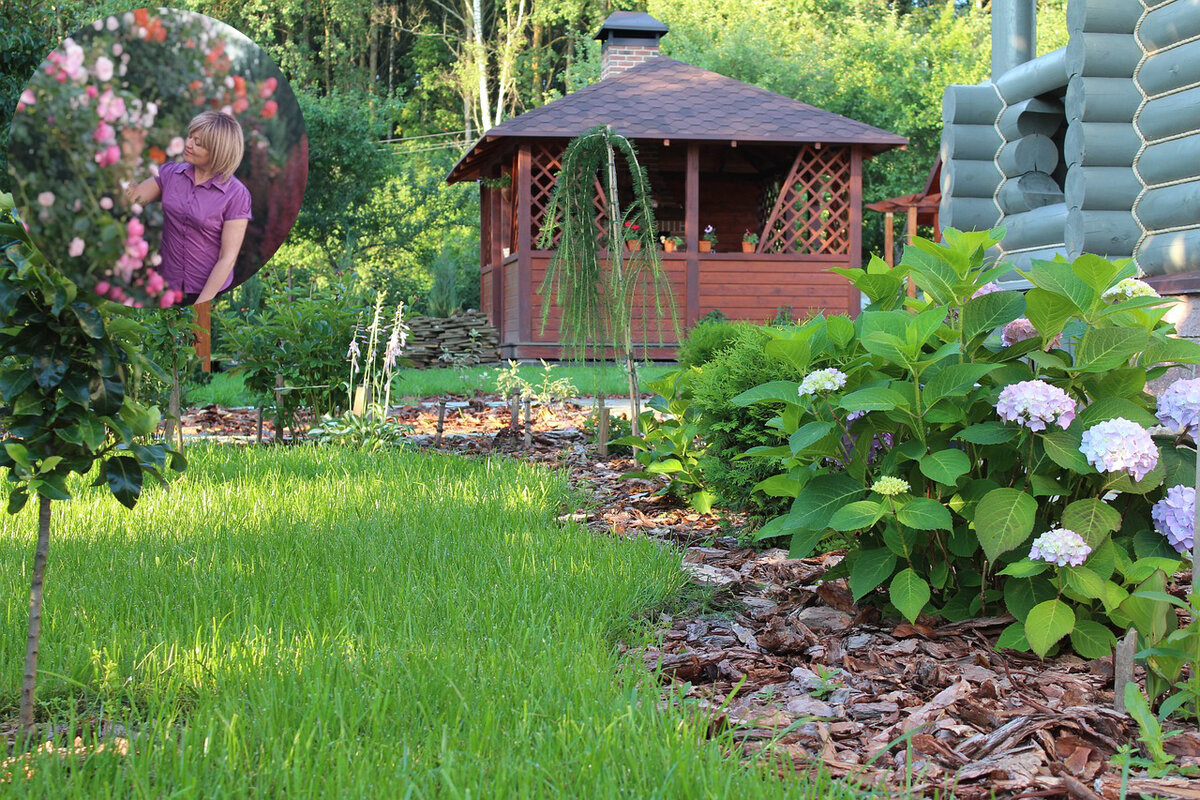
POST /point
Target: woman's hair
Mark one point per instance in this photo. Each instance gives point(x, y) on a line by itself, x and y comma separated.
point(222, 135)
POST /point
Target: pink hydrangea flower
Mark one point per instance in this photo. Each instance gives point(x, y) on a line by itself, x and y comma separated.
point(988, 288)
point(1120, 445)
point(1036, 405)
point(1060, 546)
point(1021, 329)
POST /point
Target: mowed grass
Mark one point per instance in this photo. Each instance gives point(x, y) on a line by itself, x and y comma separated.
point(323, 623)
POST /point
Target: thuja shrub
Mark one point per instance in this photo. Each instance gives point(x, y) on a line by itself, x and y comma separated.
point(706, 340)
point(991, 450)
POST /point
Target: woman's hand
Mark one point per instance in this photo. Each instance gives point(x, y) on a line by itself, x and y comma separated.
point(145, 192)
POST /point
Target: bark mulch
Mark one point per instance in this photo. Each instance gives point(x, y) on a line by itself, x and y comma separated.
point(787, 664)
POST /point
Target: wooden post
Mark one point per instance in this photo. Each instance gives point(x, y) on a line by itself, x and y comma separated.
point(528, 423)
point(496, 255)
point(853, 296)
point(602, 427)
point(910, 233)
point(1123, 668)
point(525, 286)
point(204, 335)
point(889, 238)
point(437, 441)
point(691, 232)
point(278, 409)
point(259, 427)
point(174, 410)
point(514, 418)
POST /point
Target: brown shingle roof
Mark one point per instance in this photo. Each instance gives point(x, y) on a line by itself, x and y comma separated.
point(666, 99)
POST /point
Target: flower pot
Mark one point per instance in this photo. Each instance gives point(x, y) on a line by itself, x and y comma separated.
point(633, 244)
point(749, 247)
point(668, 247)
point(705, 246)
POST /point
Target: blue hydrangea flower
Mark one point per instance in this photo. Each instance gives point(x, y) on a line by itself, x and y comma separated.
point(1060, 546)
point(1179, 407)
point(1120, 445)
point(823, 380)
point(1175, 517)
point(1036, 405)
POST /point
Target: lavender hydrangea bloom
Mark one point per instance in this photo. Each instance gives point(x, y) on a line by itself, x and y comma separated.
point(823, 380)
point(1175, 517)
point(1021, 329)
point(987, 288)
point(1179, 407)
point(1036, 404)
point(1120, 445)
point(1060, 546)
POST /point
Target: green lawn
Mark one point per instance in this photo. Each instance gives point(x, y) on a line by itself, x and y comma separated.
point(300, 623)
point(227, 388)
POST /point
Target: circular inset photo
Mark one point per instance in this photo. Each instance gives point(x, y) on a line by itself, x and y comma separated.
point(158, 157)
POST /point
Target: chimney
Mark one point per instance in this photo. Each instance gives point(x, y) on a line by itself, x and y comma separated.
point(629, 38)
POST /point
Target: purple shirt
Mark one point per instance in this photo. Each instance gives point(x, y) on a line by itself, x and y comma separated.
point(193, 216)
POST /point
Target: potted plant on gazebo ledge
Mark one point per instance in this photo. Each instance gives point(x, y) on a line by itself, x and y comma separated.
point(709, 240)
point(672, 243)
point(749, 241)
point(631, 236)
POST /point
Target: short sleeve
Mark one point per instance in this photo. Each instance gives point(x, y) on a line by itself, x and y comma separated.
point(168, 170)
point(239, 205)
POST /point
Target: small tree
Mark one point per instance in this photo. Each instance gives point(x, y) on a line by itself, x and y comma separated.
point(65, 358)
point(599, 299)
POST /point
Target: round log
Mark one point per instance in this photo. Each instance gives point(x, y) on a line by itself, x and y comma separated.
point(1041, 227)
point(1043, 75)
point(968, 213)
point(1170, 206)
point(1173, 160)
point(1171, 115)
point(1102, 99)
point(1102, 16)
point(1112, 234)
point(1027, 192)
point(1102, 188)
point(1103, 55)
point(970, 178)
point(1028, 154)
point(1170, 253)
point(1174, 69)
point(1029, 117)
point(970, 105)
point(1100, 144)
point(970, 142)
point(1024, 260)
point(1169, 24)
point(1014, 34)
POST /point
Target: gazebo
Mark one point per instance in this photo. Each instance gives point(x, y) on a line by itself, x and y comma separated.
point(718, 152)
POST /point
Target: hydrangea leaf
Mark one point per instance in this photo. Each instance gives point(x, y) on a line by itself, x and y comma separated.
point(909, 593)
point(1003, 520)
point(1047, 623)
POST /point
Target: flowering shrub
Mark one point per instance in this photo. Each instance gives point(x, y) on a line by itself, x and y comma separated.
point(112, 104)
point(942, 432)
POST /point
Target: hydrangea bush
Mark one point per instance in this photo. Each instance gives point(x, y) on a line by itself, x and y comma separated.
point(112, 104)
point(990, 450)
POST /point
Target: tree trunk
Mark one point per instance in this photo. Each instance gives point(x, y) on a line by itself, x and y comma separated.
point(616, 248)
point(29, 684)
point(479, 46)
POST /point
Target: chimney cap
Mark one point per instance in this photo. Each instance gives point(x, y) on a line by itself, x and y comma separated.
point(631, 23)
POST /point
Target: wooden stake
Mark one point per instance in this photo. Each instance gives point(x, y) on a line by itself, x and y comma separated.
point(1123, 668)
point(437, 441)
point(602, 431)
point(514, 414)
point(528, 423)
point(258, 433)
point(278, 409)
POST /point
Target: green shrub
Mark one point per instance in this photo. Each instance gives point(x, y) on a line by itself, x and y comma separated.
point(707, 339)
point(980, 473)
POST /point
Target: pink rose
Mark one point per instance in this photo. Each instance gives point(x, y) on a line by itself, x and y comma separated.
point(103, 133)
point(240, 105)
point(102, 288)
point(267, 88)
point(269, 109)
point(167, 300)
point(154, 283)
point(76, 248)
point(135, 227)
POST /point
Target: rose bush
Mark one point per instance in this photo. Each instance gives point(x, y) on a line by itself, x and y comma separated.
point(107, 108)
point(990, 450)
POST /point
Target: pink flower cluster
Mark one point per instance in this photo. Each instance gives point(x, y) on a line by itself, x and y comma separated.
point(127, 267)
point(68, 64)
point(1120, 445)
point(1036, 405)
point(1175, 517)
point(1060, 546)
point(1021, 329)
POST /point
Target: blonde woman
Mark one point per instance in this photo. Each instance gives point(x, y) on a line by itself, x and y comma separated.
point(205, 209)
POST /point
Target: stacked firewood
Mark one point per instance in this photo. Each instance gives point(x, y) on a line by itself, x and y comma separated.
point(463, 339)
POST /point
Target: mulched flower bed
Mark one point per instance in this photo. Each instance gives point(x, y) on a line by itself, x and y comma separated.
point(785, 662)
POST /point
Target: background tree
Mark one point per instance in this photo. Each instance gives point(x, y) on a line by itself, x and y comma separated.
point(65, 358)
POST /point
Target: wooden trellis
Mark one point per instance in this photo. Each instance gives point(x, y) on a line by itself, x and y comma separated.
point(545, 162)
point(812, 212)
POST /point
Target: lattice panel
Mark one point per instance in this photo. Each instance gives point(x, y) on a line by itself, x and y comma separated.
point(544, 166)
point(812, 212)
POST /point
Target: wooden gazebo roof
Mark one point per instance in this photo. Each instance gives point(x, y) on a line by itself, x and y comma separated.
point(666, 99)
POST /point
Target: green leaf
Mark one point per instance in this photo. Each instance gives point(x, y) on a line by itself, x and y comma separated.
point(1057, 277)
point(17, 499)
point(1090, 639)
point(987, 433)
point(1105, 408)
point(1147, 615)
point(991, 311)
point(839, 329)
point(14, 382)
point(870, 569)
point(1103, 349)
point(779, 486)
point(946, 466)
point(803, 543)
point(1062, 447)
point(1085, 582)
point(664, 466)
point(1013, 638)
point(90, 320)
point(18, 453)
point(1171, 350)
point(1100, 273)
point(1149, 729)
point(1022, 594)
point(821, 497)
point(1025, 568)
point(872, 399)
point(909, 593)
point(809, 435)
point(1003, 521)
point(856, 516)
point(954, 380)
point(124, 477)
point(1092, 519)
point(785, 391)
point(51, 486)
point(107, 395)
point(1049, 312)
point(1047, 623)
point(925, 514)
point(702, 501)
